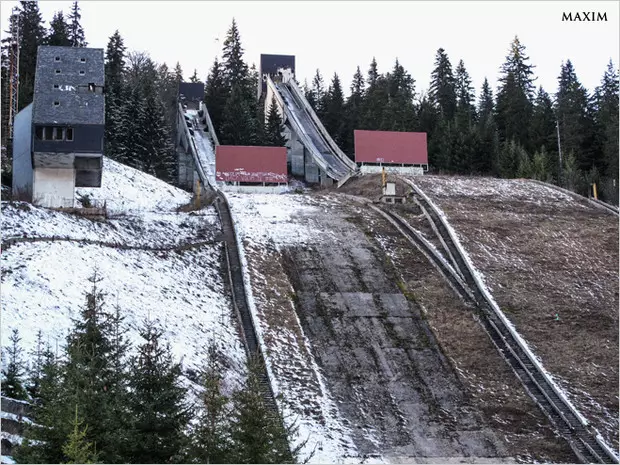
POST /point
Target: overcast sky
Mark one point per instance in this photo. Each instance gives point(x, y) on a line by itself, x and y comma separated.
point(338, 36)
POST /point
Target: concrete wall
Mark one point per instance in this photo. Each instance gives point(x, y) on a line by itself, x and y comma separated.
point(405, 170)
point(53, 187)
point(22, 149)
point(254, 189)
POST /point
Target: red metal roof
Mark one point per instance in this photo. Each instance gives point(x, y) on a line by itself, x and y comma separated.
point(236, 163)
point(390, 147)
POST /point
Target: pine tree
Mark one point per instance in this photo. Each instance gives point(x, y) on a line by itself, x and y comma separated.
point(178, 72)
point(318, 94)
point(238, 121)
point(32, 34)
point(211, 442)
point(466, 113)
point(91, 380)
point(13, 369)
point(274, 127)
point(607, 121)
point(353, 112)
point(194, 77)
point(442, 90)
point(543, 130)
point(59, 31)
point(514, 97)
point(576, 119)
point(486, 161)
point(157, 402)
point(257, 434)
point(333, 115)
point(77, 448)
point(400, 113)
point(76, 31)
point(45, 436)
point(375, 99)
point(234, 68)
point(33, 385)
point(216, 96)
point(115, 96)
point(157, 152)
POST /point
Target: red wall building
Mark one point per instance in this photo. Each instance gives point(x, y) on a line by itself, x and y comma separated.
point(249, 164)
point(390, 147)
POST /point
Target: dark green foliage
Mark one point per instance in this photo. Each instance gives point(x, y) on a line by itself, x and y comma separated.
point(156, 403)
point(44, 438)
point(211, 442)
point(32, 34)
point(353, 112)
point(333, 111)
point(194, 77)
point(237, 125)
point(59, 31)
point(317, 94)
point(256, 433)
point(13, 369)
point(91, 378)
point(33, 386)
point(575, 114)
point(442, 90)
point(514, 97)
point(606, 99)
point(216, 95)
point(76, 31)
point(273, 127)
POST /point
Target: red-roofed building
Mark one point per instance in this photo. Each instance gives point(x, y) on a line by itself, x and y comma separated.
point(237, 165)
point(403, 152)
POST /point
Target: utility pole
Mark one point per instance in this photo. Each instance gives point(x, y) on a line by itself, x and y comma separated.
point(557, 125)
point(12, 81)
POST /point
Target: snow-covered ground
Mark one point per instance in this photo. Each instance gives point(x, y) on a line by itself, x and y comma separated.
point(266, 223)
point(43, 283)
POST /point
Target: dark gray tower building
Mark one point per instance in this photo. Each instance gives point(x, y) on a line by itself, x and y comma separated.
point(58, 141)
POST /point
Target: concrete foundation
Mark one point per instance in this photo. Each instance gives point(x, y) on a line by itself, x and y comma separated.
point(53, 187)
point(409, 170)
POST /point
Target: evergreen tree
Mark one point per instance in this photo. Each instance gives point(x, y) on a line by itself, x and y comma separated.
point(333, 116)
point(375, 99)
point(32, 34)
point(167, 91)
point(59, 31)
point(514, 97)
point(76, 32)
point(178, 72)
point(543, 130)
point(194, 77)
point(606, 98)
point(50, 427)
point(237, 124)
point(317, 102)
point(157, 402)
point(465, 97)
point(353, 112)
point(13, 369)
point(216, 96)
point(33, 385)
point(77, 448)
point(91, 381)
point(210, 435)
point(157, 152)
point(115, 96)
point(576, 119)
point(442, 91)
point(487, 159)
point(399, 113)
point(274, 127)
point(235, 69)
point(257, 434)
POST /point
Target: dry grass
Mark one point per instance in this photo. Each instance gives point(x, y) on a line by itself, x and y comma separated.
point(546, 258)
